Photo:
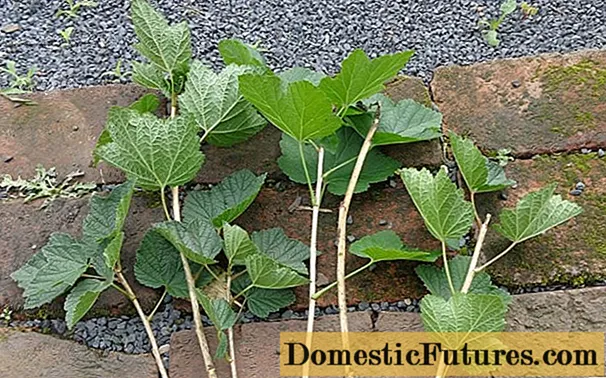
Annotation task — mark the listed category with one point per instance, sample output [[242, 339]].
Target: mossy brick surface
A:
[[574, 253], [535, 105], [26, 229]]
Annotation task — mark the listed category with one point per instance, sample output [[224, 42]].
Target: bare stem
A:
[[494, 259], [446, 269], [230, 333], [151, 315], [313, 255], [476, 255], [475, 209], [342, 229], [193, 298], [148, 329]]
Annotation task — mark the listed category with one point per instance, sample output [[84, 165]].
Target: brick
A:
[[257, 346], [61, 131], [388, 281], [26, 228], [534, 105], [573, 253], [34, 355]]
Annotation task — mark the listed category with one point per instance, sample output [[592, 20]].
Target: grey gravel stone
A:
[[580, 186], [382, 222], [601, 153], [363, 306], [576, 192]]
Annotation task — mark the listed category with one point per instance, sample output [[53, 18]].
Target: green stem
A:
[[93, 276], [475, 209], [307, 176], [511, 246], [126, 294], [157, 306], [243, 291], [343, 164], [164, 205], [211, 272], [332, 285], [446, 269]]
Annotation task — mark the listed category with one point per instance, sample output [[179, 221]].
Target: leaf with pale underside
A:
[[154, 152], [150, 76], [225, 201], [53, 270], [234, 51], [362, 77], [266, 273], [387, 246], [295, 74], [197, 240], [82, 297], [338, 164], [463, 313], [168, 47], [215, 103], [158, 265], [436, 281], [480, 174], [406, 121], [299, 109], [446, 214], [536, 213]]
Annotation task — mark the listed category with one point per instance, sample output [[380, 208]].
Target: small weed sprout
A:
[[528, 10], [117, 74], [74, 8], [66, 34], [18, 84], [6, 315], [503, 157], [490, 27]]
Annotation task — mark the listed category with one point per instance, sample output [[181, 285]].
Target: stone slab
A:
[[34, 355], [61, 131], [573, 253], [534, 105], [26, 228], [257, 343]]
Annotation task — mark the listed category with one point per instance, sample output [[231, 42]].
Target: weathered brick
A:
[[573, 253], [26, 228], [61, 131], [388, 281], [535, 105]]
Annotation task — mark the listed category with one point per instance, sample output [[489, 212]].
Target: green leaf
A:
[[507, 7], [404, 122], [104, 138], [107, 213], [156, 153], [268, 274], [536, 213], [218, 311], [295, 74], [436, 281], [149, 103], [53, 270], [338, 165], [463, 313], [262, 302], [158, 264], [275, 244], [446, 214], [168, 47], [299, 109], [215, 103], [82, 297], [491, 37], [480, 174], [225, 201], [237, 244], [387, 246], [222, 344], [150, 76], [234, 51], [361, 77], [197, 240], [111, 253]]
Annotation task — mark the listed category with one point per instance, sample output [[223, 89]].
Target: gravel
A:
[[316, 34]]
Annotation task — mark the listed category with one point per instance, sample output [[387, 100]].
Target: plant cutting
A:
[[311, 110], [462, 297]]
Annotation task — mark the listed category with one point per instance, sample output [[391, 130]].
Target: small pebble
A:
[[601, 153], [349, 219], [580, 186], [585, 150], [375, 307], [363, 306], [10, 28], [382, 222], [516, 83], [576, 192], [351, 238], [75, 128]]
